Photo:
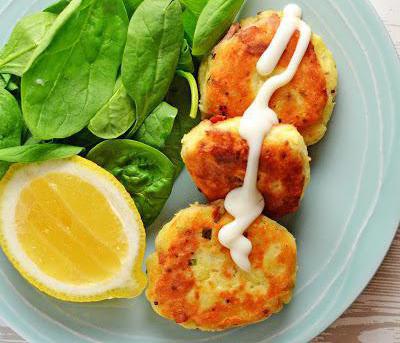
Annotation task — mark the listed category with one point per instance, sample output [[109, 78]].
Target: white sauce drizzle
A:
[[246, 203]]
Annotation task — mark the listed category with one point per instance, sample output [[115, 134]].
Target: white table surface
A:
[[375, 316]]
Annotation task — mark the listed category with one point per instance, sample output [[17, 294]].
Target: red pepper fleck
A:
[[217, 118]]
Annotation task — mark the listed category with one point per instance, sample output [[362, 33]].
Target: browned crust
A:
[[171, 276], [217, 164], [232, 81]]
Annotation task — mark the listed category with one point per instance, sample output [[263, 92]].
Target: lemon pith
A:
[[72, 230]]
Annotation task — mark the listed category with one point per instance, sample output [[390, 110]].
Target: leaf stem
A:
[[194, 90]]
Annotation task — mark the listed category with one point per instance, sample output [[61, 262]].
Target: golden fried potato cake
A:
[[193, 280], [229, 80], [216, 157]]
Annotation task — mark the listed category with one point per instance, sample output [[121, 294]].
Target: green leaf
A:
[[131, 6], [16, 56], [3, 168], [193, 9], [11, 124], [38, 152], [75, 73], [115, 117], [185, 62], [195, 6], [58, 24], [194, 107], [213, 22], [189, 24], [4, 79], [30, 140], [179, 96], [158, 126], [13, 84], [151, 55], [83, 138], [146, 173], [57, 7]]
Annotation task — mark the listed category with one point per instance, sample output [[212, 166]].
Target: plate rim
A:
[[369, 275]]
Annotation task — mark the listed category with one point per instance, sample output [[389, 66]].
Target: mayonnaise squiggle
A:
[[246, 203]]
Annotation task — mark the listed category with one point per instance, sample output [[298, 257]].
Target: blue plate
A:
[[344, 228]]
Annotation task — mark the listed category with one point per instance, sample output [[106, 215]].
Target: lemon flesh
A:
[[72, 230]]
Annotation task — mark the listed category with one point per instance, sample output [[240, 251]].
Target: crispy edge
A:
[[279, 294], [216, 158], [313, 133]]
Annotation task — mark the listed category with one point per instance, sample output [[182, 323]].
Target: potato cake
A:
[[216, 157], [193, 280], [229, 80]]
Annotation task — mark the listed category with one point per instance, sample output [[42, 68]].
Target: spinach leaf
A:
[[194, 107], [38, 152], [13, 84], [54, 29], [193, 9], [185, 62], [131, 6], [179, 96], [146, 173], [73, 76], [116, 116], [195, 6], [15, 57], [158, 126], [83, 138], [11, 124], [57, 7], [213, 22], [151, 55], [189, 24], [3, 168], [30, 140], [4, 80]]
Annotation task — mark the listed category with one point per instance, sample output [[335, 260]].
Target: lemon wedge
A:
[[72, 230]]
